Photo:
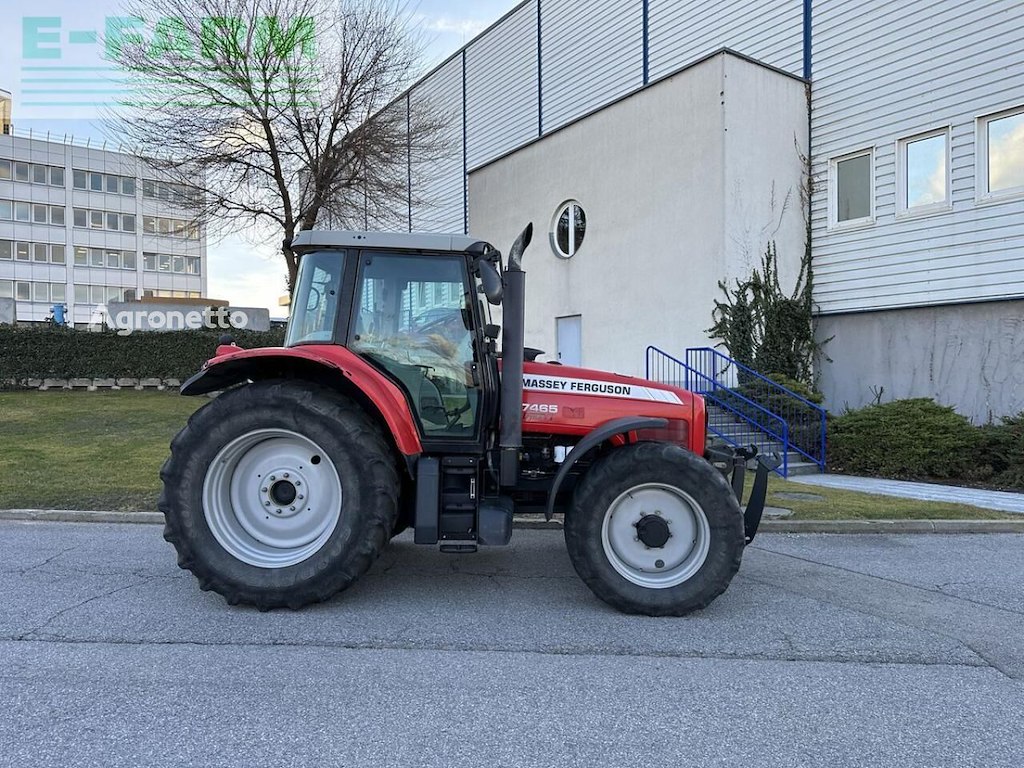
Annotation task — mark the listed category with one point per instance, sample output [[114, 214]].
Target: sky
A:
[[52, 33]]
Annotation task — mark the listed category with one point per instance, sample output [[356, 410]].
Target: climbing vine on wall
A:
[[765, 328]]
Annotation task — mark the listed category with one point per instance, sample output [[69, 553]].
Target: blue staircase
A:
[[747, 408]]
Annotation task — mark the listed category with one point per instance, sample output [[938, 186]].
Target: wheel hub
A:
[[656, 535], [272, 498], [653, 531]]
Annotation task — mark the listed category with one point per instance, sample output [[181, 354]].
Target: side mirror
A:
[[491, 282]]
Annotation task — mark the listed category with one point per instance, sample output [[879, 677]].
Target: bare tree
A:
[[280, 113]]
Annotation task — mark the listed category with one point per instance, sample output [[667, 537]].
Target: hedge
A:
[[904, 439], [920, 439], [60, 353]]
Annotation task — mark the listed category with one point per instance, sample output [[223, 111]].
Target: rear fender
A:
[[338, 368]]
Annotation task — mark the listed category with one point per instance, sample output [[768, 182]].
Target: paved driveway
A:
[[827, 650]]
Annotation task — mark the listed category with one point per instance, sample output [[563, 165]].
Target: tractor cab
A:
[[413, 307]]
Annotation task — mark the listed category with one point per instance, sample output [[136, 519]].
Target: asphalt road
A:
[[826, 650]]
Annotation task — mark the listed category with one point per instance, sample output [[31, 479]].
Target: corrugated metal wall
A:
[[439, 184], [592, 53], [501, 87], [886, 71], [588, 53], [684, 30]]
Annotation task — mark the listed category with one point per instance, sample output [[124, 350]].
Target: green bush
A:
[[1001, 452], [905, 439], [60, 353]]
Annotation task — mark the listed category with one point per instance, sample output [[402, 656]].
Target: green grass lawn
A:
[[103, 450], [853, 505], [87, 450]]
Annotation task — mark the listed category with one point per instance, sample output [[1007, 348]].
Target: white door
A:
[[569, 332]]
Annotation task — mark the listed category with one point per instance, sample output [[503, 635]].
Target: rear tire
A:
[[242, 520], [694, 526]]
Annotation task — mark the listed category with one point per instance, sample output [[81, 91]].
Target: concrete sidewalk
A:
[[1003, 501]]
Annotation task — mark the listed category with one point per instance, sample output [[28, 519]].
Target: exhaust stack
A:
[[513, 321]]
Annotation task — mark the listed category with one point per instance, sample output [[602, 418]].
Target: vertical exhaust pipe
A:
[[513, 321]]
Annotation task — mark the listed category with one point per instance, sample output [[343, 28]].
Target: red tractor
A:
[[390, 407]]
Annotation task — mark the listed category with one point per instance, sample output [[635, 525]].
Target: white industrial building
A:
[[84, 226], [661, 144]]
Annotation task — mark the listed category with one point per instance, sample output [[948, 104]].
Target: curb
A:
[[537, 522]]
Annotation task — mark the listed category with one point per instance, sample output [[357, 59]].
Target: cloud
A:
[[465, 28], [1006, 155], [245, 274]]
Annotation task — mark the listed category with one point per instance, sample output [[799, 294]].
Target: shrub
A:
[[905, 439], [1001, 452], [61, 353]]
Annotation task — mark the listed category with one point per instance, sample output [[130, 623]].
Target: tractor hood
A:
[[567, 400]]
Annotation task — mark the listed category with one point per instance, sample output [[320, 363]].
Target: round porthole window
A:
[[570, 226]]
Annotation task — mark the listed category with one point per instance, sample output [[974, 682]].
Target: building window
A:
[[127, 186], [570, 226], [851, 180], [127, 222], [40, 214], [5, 170], [1001, 154], [924, 172], [6, 250], [39, 174], [40, 292], [40, 252], [128, 259], [6, 289], [56, 177], [23, 291], [6, 210], [22, 211], [21, 172], [21, 251], [79, 179], [96, 182], [57, 215], [81, 217], [57, 254], [58, 292]]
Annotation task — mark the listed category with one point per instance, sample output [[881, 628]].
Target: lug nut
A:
[[264, 490], [298, 483], [268, 504], [301, 497], [286, 475], [291, 509], [659, 563], [272, 478]]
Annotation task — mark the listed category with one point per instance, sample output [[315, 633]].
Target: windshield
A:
[[315, 301]]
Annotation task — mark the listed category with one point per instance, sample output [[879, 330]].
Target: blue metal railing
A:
[[788, 421], [770, 431]]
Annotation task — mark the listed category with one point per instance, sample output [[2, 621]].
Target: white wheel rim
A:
[[681, 556], [272, 498]]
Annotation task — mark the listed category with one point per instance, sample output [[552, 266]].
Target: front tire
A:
[[654, 530], [279, 494]]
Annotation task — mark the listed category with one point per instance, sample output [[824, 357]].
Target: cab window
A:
[[315, 300]]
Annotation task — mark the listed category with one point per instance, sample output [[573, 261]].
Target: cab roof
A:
[[311, 240]]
